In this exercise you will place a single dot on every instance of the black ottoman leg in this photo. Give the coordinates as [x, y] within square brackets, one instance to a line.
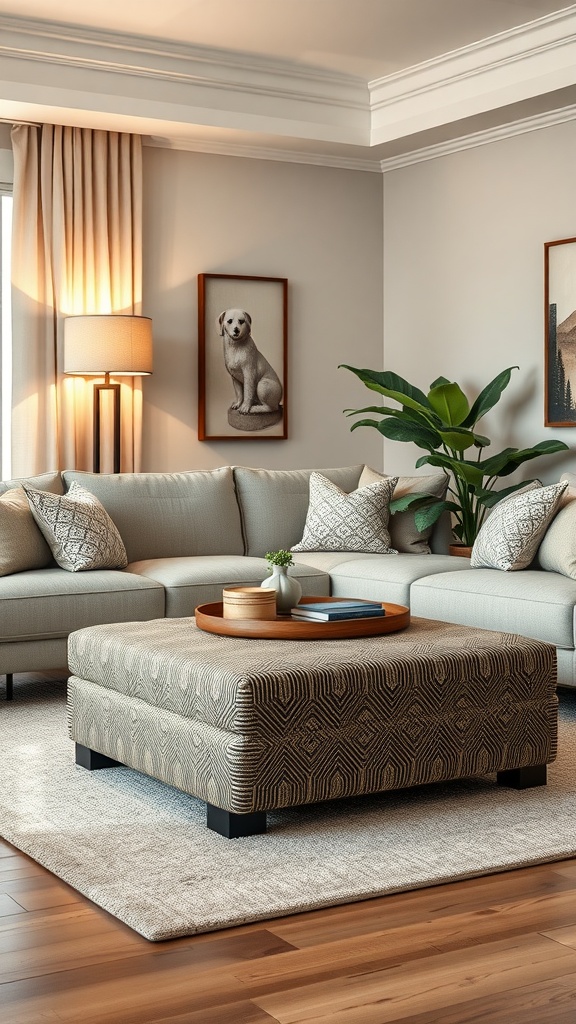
[92, 760]
[9, 686]
[523, 778]
[234, 826]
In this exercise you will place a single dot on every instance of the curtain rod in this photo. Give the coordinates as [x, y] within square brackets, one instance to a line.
[17, 120]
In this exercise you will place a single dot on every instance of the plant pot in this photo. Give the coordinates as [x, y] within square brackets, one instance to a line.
[288, 589]
[464, 550]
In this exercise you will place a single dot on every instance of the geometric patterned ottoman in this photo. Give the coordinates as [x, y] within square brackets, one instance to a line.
[254, 725]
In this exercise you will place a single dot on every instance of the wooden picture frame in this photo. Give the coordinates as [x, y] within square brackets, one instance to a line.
[242, 358]
[560, 333]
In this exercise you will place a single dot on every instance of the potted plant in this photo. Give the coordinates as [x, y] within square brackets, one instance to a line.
[288, 589]
[443, 424]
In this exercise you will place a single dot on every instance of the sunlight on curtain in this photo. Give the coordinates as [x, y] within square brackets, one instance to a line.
[76, 249]
[6, 336]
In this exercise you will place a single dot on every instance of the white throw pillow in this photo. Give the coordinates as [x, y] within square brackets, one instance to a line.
[402, 528]
[78, 529]
[22, 546]
[337, 521]
[512, 533]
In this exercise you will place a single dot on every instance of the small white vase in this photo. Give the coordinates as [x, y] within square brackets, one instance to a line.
[288, 589]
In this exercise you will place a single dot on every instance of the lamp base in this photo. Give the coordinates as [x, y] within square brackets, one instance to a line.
[98, 401]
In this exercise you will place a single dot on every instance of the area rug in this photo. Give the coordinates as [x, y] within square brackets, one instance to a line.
[141, 849]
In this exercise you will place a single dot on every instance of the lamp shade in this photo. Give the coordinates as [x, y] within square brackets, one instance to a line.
[107, 343]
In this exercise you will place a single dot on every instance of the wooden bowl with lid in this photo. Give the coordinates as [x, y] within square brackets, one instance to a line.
[248, 603]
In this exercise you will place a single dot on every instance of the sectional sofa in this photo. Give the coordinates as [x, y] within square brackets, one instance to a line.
[189, 534]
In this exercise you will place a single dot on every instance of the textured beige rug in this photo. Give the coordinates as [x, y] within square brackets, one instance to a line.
[141, 849]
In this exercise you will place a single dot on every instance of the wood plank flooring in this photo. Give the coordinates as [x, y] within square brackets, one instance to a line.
[497, 950]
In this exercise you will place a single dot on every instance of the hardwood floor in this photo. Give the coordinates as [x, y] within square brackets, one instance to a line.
[494, 950]
[497, 950]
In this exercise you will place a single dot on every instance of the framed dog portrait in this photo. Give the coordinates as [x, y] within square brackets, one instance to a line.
[560, 332]
[242, 358]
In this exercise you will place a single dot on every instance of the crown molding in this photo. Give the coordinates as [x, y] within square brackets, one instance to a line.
[524, 62]
[290, 156]
[483, 138]
[65, 65]
[92, 75]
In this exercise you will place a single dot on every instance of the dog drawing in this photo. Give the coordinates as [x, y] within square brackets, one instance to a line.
[256, 385]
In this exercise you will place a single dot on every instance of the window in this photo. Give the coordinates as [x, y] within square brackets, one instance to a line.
[5, 333]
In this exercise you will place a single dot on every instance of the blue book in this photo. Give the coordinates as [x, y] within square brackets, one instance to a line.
[337, 606]
[333, 614]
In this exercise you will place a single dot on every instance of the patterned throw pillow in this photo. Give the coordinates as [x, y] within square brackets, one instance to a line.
[511, 535]
[78, 529]
[337, 521]
[22, 546]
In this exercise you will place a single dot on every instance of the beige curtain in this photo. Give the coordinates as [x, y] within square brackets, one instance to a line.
[76, 248]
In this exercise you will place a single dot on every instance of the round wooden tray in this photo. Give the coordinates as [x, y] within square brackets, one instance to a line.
[209, 618]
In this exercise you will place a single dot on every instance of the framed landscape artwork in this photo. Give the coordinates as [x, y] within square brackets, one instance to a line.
[242, 358]
[560, 332]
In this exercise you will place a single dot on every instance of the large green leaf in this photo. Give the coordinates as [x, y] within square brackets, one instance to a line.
[366, 423]
[499, 464]
[542, 448]
[412, 501]
[393, 386]
[382, 409]
[467, 471]
[507, 461]
[488, 397]
[491, 498]
[449, 403]
[426, 517]
[427, 508]
[402, 414]
[400, 430]
[439, 380]
[458, 439]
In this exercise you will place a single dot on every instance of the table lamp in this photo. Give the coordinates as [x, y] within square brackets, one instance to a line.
[104, 345]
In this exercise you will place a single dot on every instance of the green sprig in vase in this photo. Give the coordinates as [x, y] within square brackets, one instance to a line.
[288, 589]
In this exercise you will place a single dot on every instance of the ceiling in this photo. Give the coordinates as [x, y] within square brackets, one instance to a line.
[368, 84]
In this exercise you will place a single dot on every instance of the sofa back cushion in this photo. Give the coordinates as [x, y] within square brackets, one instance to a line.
[44, 482]
[403, 532]
[169, 515]
[274, 503]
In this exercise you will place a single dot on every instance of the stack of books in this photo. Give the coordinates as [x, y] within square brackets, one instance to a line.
[331, 611]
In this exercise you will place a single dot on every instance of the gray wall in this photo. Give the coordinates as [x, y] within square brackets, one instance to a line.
[464, 278]
[319, 227]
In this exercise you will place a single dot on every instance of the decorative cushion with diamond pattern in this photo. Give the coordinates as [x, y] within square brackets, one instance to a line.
[337, 521]
[78, 529]
[512, 533]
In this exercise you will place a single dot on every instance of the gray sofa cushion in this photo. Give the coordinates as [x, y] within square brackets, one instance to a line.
[380, 577]
[167, 515]
[44, 482]
[49, 603]
[532, 602]
[274, 503]
[193, 581]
